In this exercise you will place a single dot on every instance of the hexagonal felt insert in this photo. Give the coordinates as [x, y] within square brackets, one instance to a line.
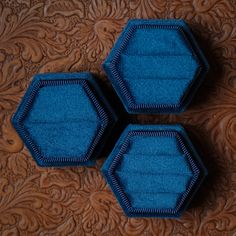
[64, 119]
[156, 66]
[154, 170]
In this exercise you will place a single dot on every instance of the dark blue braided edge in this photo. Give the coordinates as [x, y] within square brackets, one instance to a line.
[110, 66]
[27, 102]
[199, 173]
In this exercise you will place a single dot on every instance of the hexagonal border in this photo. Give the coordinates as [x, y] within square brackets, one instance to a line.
[42, 80]
[110, 66]
[199, 173]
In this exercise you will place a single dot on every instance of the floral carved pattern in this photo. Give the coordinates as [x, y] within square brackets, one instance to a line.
[51, 36]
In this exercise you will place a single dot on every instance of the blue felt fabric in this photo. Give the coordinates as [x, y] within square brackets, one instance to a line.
[63, 116]
[153, 172]
[156, 66]
[62, 123]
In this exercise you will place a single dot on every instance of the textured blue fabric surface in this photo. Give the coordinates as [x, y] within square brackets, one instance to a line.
[64, 119]
[154, 170]
[63, 116]
[156, 66]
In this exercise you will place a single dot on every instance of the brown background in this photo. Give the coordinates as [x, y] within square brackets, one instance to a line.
[59, 35]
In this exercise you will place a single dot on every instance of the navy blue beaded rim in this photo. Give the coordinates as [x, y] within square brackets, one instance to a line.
[120, 85]
[25, 106]
[119, 191]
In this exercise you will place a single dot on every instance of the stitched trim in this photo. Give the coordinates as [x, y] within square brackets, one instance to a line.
[18, 121]
[121, 86]
[119, 191]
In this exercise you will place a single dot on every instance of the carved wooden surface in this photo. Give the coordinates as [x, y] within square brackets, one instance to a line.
[60, 35]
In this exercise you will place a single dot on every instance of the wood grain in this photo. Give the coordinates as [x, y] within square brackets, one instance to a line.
[60, 35]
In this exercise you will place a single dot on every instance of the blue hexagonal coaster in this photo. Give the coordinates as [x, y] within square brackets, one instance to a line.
[156, 66]
[64, 119]
[154, 170]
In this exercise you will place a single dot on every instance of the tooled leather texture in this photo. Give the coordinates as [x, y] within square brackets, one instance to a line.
[60, 35]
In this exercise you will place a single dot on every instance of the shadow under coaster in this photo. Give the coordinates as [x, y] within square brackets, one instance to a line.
[64, 119]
